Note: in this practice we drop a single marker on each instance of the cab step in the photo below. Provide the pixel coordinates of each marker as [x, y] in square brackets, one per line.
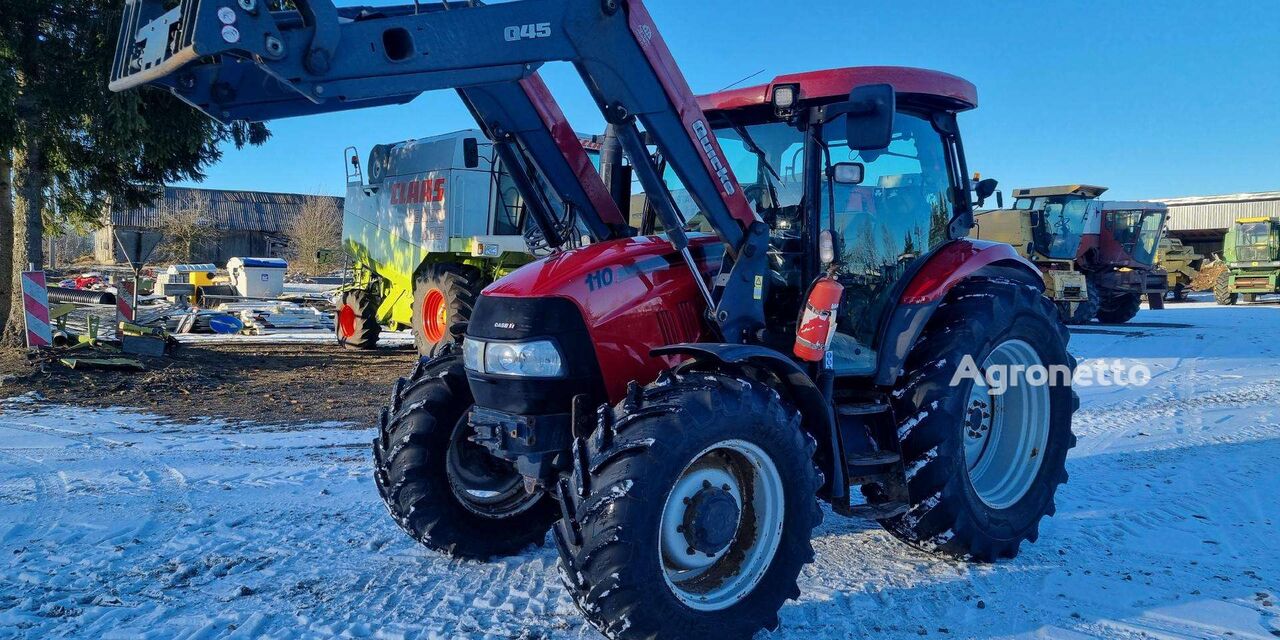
[873, 459]
[862, 409]
[882, 511]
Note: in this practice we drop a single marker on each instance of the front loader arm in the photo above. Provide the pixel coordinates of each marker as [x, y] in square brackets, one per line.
[235, 60]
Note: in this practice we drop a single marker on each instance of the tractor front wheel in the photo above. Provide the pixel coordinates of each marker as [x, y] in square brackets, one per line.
[1119, 309]
[690, 510]
[984, 454]
[443, 296]
[356, 325]
[445, 491]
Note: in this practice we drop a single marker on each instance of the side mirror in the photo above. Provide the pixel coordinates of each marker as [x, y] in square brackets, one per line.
[848, 173]
[869, 121]
[470, 153]
[984, 189]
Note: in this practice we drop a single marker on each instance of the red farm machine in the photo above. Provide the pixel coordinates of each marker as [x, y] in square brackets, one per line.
[674, 406]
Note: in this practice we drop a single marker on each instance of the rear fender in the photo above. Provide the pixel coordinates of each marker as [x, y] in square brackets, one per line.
[817, 417]
[928, 288]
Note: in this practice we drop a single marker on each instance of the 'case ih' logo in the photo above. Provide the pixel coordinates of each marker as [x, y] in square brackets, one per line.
[418, 191]
[722, 171]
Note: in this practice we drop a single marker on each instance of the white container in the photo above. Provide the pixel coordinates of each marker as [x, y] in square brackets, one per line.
[257, 277]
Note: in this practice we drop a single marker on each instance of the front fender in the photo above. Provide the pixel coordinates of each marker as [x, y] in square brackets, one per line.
[817, 416]
[950, 265]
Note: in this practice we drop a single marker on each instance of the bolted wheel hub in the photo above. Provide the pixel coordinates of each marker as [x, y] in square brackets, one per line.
[711, 519]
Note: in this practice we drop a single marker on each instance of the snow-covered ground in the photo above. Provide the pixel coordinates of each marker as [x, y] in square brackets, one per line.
[115, 524]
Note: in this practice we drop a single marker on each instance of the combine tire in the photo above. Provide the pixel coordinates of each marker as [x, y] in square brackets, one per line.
[982, 468]
[1178, 293]
[1087, 309]
[1222, 290]
[1119, 309]
[689, 511]
[443, 297]
[356, 324]
[442, 489]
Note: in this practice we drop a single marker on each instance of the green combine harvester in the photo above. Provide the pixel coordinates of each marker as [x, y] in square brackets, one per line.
[1252, 253]
[436, 221]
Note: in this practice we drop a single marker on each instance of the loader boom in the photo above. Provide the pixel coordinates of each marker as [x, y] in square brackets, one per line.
[235, 60]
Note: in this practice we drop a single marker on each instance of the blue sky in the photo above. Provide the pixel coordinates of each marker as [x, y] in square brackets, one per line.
[1154, 99]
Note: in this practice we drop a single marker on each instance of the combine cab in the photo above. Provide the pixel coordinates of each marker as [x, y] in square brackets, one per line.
[1112, 243]
[1252, 254]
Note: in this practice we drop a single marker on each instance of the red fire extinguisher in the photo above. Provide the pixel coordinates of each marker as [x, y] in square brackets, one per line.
[817, 326]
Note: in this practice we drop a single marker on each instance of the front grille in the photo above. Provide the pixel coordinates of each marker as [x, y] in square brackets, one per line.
[519, 319]
[1071, 292]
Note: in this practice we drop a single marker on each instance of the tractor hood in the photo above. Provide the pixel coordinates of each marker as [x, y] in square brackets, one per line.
[634, 294]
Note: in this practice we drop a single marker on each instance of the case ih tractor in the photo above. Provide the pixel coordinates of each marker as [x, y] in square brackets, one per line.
[675, 408]
[1113, 243]
[1252, 253]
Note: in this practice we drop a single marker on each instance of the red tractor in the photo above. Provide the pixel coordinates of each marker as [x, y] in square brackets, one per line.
[675, 407]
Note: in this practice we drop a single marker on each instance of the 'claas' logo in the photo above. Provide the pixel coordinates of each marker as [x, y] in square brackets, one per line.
[418, 191]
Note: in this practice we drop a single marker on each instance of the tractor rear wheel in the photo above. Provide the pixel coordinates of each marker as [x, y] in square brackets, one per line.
[443, 296]
[982, 467]
[1222, 290]
[356, 325]
[1119, 309]
[445, 491]
[689, 510]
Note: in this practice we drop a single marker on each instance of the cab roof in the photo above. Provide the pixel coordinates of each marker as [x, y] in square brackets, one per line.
[948, 91]
[1083, 190]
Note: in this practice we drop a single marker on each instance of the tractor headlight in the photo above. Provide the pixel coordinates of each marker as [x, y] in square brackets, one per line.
[538, 359]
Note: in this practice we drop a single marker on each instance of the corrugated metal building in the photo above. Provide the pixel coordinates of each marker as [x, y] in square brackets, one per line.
[1202, 221]
[248, 223]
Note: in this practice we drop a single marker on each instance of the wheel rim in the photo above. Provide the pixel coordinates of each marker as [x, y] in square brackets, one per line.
[1005, 435]
[435, 315]
[347, 321]
[728, 508]
[483, 484]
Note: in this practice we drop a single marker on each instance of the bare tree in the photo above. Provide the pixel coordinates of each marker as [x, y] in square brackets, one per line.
[188, 227]
[317, 226]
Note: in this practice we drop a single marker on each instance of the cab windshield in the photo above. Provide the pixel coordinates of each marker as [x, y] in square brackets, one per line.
[1138, 232]
[1058, 228]
[768, 160]
[1256, 241]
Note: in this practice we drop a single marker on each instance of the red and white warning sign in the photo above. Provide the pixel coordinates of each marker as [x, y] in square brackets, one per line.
[35, 300]
[124, 300]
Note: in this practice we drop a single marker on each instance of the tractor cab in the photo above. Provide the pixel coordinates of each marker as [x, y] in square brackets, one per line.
[806, 174]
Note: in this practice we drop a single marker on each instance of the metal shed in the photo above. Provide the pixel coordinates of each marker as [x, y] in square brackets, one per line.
[1202, 221]
[249, 223]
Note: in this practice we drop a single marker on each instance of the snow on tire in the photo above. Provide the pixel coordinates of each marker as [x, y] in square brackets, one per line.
[955, 439]
[689, 511]
[443, 490]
